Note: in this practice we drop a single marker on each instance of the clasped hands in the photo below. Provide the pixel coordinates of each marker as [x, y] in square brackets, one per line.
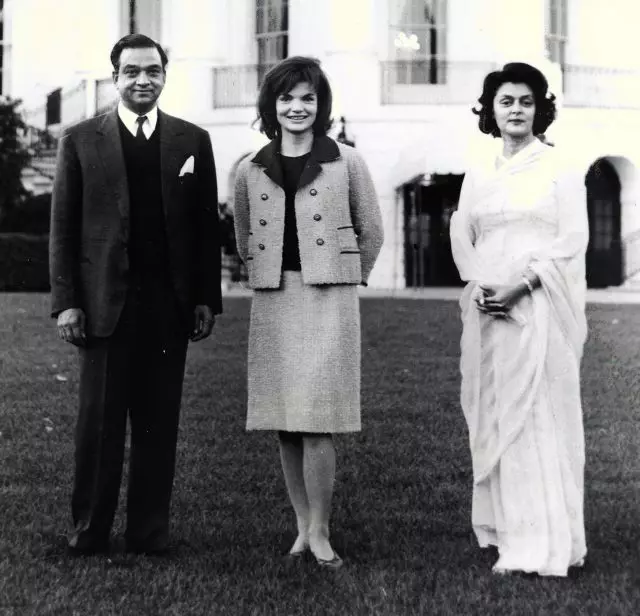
[72, 325]
[497, 300]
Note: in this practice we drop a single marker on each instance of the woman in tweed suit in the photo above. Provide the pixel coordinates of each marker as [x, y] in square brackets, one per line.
[309, 229]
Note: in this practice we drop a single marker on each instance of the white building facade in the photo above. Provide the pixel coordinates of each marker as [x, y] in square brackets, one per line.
[405, 74]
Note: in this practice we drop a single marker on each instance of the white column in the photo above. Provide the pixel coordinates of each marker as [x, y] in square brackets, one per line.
[351, 57]
[198, 34]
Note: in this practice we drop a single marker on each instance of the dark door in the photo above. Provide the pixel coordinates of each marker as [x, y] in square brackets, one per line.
[604, 254]
[427, 210]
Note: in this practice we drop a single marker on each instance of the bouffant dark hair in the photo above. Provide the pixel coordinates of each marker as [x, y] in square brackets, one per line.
[281, 79]
[516, 72]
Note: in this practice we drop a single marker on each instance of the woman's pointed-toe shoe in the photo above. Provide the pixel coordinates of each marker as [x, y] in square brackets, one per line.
[335, 563]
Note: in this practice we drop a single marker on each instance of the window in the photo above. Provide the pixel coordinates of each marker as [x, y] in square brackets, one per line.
[272, 25]
[143, 17]
[556, 28]
[418, 40]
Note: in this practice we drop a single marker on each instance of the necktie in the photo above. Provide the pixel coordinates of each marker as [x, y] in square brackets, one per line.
[140, 136]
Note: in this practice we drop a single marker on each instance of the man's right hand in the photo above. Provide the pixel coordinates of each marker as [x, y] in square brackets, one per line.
[71, 326]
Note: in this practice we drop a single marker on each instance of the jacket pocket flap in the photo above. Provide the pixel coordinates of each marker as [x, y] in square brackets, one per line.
[347, 240]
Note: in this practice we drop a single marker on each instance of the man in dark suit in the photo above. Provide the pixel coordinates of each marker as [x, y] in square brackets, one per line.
[135, 274]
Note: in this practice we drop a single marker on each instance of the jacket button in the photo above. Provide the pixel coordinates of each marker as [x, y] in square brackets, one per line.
[320, 241]
[263, 222]
[317, 217]
[261, 246]
[313, 192]
[264, 196]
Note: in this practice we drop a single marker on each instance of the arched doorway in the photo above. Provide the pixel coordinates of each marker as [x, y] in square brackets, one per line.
[429, 202]
[604, 253]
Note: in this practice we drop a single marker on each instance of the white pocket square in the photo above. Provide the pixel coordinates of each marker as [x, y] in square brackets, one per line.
[187, 167]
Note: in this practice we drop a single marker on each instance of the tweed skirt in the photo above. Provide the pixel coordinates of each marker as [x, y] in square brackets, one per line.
[304, 358]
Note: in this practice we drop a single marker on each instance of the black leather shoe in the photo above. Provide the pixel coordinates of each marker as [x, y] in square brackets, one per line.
[146, 549]
[87, 549]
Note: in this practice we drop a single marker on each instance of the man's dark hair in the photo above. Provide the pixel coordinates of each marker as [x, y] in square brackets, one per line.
[281, 79]
[136, 41]
[516, 72]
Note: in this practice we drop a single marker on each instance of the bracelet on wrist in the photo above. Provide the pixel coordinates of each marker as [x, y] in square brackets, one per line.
[527, 282]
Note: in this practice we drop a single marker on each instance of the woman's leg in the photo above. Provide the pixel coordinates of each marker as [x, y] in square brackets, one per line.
[319, 475]
[291, 456]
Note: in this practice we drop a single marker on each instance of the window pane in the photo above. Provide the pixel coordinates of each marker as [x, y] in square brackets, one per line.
[274, 16]
[564, 27]
[418, 40]
[553, 17]
[420, 32]
[272, 49]
[272, 22]
[259, 19]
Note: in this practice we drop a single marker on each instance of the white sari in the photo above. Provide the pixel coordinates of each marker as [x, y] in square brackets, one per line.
[521, 375]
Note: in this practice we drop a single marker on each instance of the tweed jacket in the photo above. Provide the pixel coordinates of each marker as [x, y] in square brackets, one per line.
[337, 214]
[90, 220]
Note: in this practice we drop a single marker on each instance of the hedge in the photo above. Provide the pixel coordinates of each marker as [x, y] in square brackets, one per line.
[24, 262]
[31, 216]
[24, 259]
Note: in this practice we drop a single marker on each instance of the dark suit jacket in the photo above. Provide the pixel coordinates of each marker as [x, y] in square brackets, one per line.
[89, 262]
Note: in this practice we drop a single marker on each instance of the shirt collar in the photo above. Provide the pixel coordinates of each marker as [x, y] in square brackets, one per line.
[129, 119]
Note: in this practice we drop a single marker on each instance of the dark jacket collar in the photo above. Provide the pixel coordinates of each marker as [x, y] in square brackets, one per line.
[323, 150]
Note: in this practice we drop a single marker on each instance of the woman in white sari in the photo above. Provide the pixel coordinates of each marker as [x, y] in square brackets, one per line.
[519, 238]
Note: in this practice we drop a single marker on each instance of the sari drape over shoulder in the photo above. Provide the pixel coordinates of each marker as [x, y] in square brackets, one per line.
[520, 389]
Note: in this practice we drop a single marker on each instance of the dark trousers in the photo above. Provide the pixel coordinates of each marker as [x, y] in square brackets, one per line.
[138, 371]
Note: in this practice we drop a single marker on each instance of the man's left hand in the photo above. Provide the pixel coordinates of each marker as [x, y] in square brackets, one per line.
[203, 323]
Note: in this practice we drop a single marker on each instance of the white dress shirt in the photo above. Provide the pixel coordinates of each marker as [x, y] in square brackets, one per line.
[129, 119]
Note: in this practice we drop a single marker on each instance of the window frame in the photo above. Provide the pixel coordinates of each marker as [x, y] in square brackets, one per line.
[557, 30]
[149, 12]
[272, 45]
[423, 66]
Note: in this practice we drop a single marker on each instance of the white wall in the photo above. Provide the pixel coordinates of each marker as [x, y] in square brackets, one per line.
[605, 33]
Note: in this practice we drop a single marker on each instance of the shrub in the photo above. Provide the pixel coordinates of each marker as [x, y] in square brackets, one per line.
[24, 262]
[13, 156]
[30, 216]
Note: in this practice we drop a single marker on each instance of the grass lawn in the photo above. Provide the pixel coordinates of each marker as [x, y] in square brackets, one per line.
[402, 503]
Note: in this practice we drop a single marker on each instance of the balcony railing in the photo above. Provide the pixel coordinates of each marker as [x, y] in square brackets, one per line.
[36, 117]
[438, 82]
[587, 86]
[432, 82]
[106, 95]
[73, 104]
[237, 86]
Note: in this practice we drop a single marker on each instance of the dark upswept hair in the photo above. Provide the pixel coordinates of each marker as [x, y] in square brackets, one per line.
[282, 78]
[516, 72]
[136, 41]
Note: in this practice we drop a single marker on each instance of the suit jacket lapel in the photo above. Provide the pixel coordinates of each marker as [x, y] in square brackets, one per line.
[324, 150]
[110, 152]
[269, 158]
[172, 153]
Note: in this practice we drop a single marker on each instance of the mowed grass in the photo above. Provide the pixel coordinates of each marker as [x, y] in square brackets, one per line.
[402, 504]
